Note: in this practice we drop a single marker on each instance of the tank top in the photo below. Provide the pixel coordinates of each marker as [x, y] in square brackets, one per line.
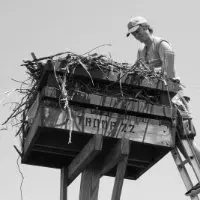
[151, 55]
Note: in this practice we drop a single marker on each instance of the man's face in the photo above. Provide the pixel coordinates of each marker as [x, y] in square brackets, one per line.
[141, 34]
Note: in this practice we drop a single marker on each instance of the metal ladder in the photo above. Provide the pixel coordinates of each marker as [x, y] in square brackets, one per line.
[191, 159]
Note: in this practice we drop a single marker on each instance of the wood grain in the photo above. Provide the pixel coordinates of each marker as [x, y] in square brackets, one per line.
[86, 156]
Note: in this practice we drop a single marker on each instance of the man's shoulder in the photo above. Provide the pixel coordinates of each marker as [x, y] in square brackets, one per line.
[163, 43]
[159, 40]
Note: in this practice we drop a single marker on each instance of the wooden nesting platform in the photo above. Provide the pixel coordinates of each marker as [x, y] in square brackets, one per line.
[98, 124]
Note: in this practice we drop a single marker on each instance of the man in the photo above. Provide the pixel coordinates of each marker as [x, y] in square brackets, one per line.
[156, 52]
[158, 55]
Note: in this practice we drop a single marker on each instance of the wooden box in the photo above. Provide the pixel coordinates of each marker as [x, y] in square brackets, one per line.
[58, 130]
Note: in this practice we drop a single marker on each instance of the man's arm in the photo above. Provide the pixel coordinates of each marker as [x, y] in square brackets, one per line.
[167, 56]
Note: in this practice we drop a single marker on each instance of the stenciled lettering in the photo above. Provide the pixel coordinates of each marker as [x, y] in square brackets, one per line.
[88, 121]
[112, 125]
[80, 119]
[126, 124]
[132, 126]
[124, 127]
[96, 123]
[104, 124]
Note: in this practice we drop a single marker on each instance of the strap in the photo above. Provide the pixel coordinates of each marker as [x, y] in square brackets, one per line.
[159, 43]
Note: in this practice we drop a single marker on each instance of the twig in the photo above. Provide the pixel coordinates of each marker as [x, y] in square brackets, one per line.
[96, 48]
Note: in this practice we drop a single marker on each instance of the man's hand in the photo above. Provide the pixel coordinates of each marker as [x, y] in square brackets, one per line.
[155, 63]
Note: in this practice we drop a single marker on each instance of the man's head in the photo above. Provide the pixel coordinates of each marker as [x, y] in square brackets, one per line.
[139, 28]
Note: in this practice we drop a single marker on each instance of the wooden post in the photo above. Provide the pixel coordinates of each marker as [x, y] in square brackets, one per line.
[119, 179]
[85, 157]
[93, 167]
[115, 155]
[90, 182]
[63, 184]
[91, 176]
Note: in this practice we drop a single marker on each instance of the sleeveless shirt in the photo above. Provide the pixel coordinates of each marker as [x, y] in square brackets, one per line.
[160, 56]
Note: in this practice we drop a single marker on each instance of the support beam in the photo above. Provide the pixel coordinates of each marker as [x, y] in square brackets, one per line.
[63, 184]
[119, 179]
[91, 176]
[117, 154]
[90, 182]
[86, 156]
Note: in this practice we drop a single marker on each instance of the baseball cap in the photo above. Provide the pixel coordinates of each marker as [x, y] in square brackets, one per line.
[134, 23]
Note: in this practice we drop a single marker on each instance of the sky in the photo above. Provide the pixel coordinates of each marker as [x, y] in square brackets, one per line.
[48, 27]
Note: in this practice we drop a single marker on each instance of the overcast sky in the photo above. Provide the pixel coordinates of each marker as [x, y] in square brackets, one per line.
[48, 27]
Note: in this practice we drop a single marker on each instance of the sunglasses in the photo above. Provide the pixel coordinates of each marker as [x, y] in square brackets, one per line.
[138, 31]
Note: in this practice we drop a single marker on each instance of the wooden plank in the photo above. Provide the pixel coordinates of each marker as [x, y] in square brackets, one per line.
[88, 153]
[90, 182]
[53, 150]
[120, 151]
[119, 179]
[63, 184]
[32, 135]
[138, 165]
[128, 79]
[127, 104]
[91, 176]
[158, 132]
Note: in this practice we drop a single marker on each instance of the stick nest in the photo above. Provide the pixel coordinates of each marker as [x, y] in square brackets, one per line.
[35, 68]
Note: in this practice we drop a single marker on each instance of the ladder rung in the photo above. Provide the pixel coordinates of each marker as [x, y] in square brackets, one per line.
[194, 190]
[183, 163]
[191, 135]
[188, 152]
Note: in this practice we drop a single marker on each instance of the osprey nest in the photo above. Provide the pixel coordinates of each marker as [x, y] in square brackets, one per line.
[64, 66]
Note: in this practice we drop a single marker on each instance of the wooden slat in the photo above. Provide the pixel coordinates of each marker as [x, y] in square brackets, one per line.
[63, 184]
[151, 83]
[52, 150]
[120, 151]
[132, 105]
[88, 153]
[119, 179]
[128, 79]
[32, 135]
[112, 76]
[112, 125]
[138, 165]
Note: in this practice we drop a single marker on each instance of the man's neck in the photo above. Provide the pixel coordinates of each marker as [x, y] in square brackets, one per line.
[149, 41]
